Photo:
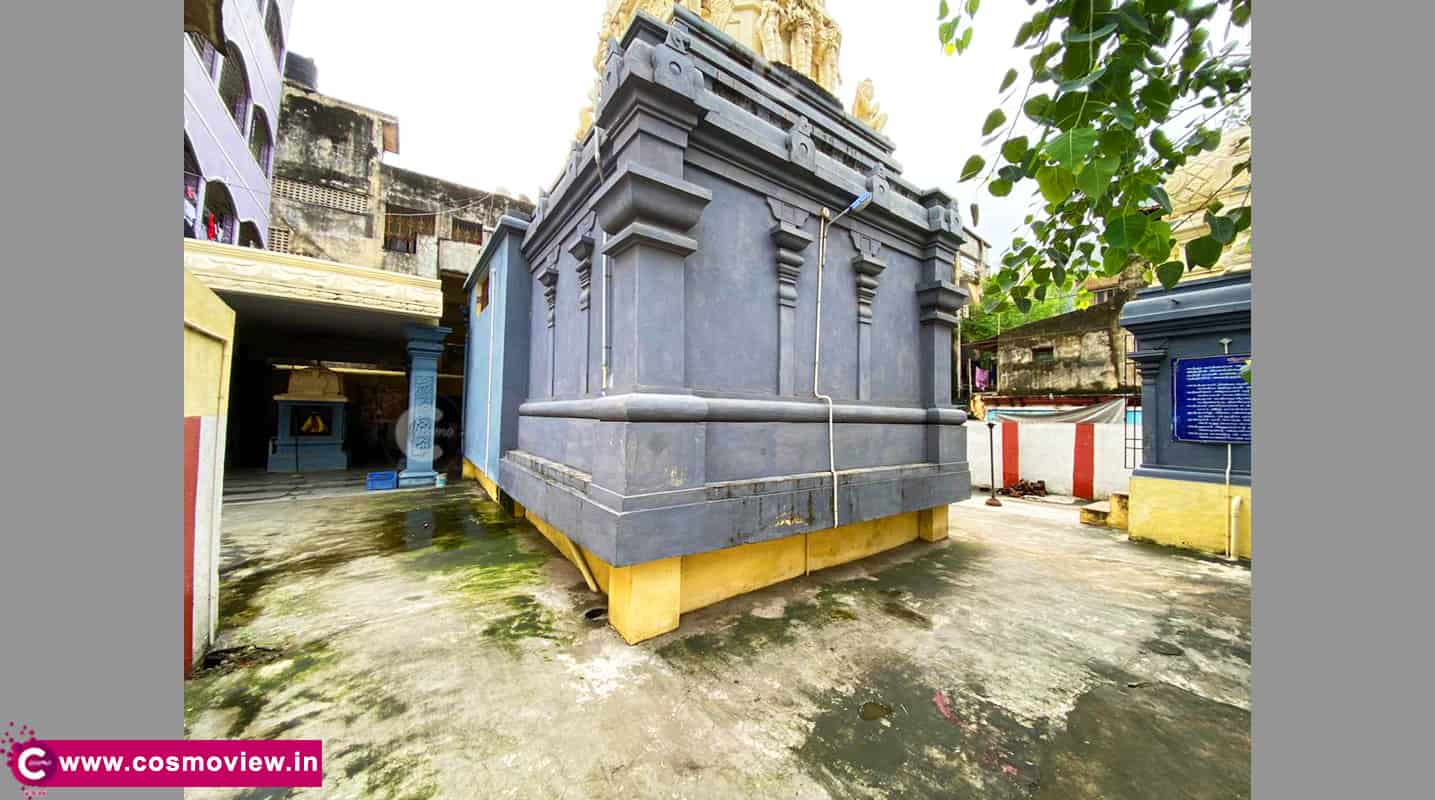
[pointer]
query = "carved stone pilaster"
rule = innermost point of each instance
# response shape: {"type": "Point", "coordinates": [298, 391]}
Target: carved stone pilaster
{"type": "Point", "coordinates": [582, 251]}
{"type": "Point", "coordinates": [867, 268]}
{"type": "Point", "coordinates": [791, 241]}
{"type": "Point", "coordinates": [548, 276]}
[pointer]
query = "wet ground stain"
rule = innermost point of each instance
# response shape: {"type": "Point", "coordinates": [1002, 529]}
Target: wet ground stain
{"type": "Point", "coordinates": [1126, 738]}
{"type": "Point", "coordinates": [898, 736]}
{"type": "Point", "coordinates": [1131, 739]}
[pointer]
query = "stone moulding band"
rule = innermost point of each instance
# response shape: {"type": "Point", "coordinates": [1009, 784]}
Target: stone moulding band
{"type": "Point", "coordinates": [643, 407]}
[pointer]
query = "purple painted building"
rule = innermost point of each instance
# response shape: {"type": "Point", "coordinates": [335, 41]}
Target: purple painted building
{"type": "Point", "coordinates": [231, 107]}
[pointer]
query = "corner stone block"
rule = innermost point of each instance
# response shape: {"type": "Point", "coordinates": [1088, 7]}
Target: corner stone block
{"type": "Point", "coordinates": [644, 600]}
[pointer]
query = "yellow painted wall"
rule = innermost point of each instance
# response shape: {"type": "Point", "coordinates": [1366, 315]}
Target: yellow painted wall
{"type": "Point", "coordinates": [1188, 514]}
{"type": "Point", "coordinates": [208, 333]}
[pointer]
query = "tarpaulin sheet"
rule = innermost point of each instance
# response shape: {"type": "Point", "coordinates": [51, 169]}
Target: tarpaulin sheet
{"type": "Point", "coordinates": [1110, 411]}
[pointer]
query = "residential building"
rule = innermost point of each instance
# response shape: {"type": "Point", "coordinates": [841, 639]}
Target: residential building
{"type": "Point", "coordinates": [232, 92]}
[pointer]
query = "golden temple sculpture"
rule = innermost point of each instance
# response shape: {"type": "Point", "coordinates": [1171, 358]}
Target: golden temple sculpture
{"type": "Point", "coordinates": [866, 109]}
{"type": "Point", "coordinates": [798, 33]}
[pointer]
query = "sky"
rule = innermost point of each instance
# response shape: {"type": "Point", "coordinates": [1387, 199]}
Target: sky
{"type": "Point", "coordinates": [488, 93]}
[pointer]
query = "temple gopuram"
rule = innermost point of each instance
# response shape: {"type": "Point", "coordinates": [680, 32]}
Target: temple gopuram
{"type": "Point", "coordinates": [799, 34]}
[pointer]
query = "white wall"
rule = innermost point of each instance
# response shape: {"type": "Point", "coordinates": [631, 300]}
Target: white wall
{"type": "Point", "coordinates": [1047, 452]}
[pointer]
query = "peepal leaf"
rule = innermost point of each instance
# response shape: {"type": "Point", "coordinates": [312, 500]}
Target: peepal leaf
{"type": "Point", "coordinates": [1007, 80]}
{"type": "Point", "coordinates": [994, 120]}
{"type": "Point", "coordinates": [1170, 273]}
{"type": "Point", "coordinates": [1157, 97]}
{"type": "Point", "coordinates": [1056, 183]}
{"type": "Point", "coordinates": [972, 168]}
{"type": "Point", "coordinates": [1071, 147]}
{"type": "Point", "coordinates": [1126, 231]}
{"type": "Point", "coordinates": [1203, 252]}
{"type": "Point", "coordinates": [1096, 177]}
{"type": "Point", "coordinates": [1014, 150]}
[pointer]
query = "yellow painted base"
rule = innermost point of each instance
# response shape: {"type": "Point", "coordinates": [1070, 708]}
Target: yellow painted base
{"type": "Point", "coordinates": [1188, 514]}
{"type": "Point", "coordinates": [646, 600]}
{"type": "Point", "coordinates": [1120, 515]}
{"type": "Point", "coordinates": [472, 472]}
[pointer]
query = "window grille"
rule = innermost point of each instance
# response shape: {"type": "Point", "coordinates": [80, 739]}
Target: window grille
{"type": "Point", "coordinates": [402, 227]}
{"type": "Point", "coordinates": [310, 194]}
{"type": "Point", "coordinates": [280, 239]}
{"type": "Point", "coordinates": [466, 231]}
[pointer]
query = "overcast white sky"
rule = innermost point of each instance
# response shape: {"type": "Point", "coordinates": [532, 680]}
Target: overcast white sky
{"type": "Point", "coordinates": [487, 93]}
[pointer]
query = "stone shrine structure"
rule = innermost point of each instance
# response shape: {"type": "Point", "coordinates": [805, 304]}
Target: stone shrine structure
{"type": "Point", "coordinates": [670, 379]}
{"type": "Point", "coordinates": [1193, 487]}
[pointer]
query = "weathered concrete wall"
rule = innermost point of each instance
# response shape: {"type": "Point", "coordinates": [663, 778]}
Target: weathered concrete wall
{"type": "Point", "coordinates": [332, 191]}
{"type": "Point", "coordinates": [1086, 350]}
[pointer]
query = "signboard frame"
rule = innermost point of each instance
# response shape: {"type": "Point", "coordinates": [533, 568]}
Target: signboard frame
{"type": "Point", "coordinates": [1176, 405]}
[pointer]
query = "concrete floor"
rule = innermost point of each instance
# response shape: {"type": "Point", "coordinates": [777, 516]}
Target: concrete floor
{"type": "Point", "coordinates": [440, 649]}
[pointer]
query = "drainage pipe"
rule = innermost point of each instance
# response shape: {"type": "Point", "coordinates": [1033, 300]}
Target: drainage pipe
{"type": "Point", "coordinates": [1231, 511]}
{"type": "Point", "coordinates": [824, 225]}
{"type": "Point", "coordinates": [605, 348]}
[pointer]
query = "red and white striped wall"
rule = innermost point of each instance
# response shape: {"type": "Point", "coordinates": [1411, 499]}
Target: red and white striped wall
{"type": "Point", "coordinates": [1081, 459]}
{"type": "Point", "coordinates": [203, 489]}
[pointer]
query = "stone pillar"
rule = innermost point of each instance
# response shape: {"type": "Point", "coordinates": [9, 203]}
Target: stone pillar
{"type": "Point", "coordinates": [791, 240]}
{"type": "Point", "coordinates": [425, 345]}
{"type": "Point", "coordinates": [646, 208]}
{"type": "Point", "coordinates": [867, 268]}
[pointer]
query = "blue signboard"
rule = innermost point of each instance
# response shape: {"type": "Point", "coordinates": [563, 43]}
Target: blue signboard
{"type": "Point", "coordinates": [1212, 400]}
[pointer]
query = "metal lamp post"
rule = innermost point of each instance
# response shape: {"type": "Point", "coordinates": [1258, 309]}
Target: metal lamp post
{"type": "Point", "coordinates": [992, 462]}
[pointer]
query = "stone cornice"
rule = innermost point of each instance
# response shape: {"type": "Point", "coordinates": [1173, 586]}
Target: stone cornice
{"type": "Point", "coordinates": [246, 270]}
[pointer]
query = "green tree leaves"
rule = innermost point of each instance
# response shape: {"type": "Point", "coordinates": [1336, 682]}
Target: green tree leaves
{"type": "Point", "coordinates": [1122, 93]}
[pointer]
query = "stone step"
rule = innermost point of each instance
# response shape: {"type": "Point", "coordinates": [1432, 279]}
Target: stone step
{"type": "Point", "coordinates": [1095, 513]}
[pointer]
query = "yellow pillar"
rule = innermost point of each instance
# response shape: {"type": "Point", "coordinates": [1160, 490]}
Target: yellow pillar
{"type": "Point", "coordinates": [932, 524]}
{"type": "Point", "coordinates": [644, 600]}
